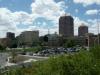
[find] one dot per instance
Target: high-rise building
(66, 26)
(82, 30)
(10, 35)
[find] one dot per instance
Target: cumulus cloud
(87, 2)
(48, 9)
(40, 8)
(95, 23)
(92, 12)
(76, 10)
(92, 24)
(78, 22)
(22, 17)
(6, 21)
(9, 20)
(43, 31)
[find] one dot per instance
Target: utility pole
(88, 41)
(48, 31)
(98, 27)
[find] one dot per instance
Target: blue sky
(20, 15)
(17, 5)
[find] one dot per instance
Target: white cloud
(6, 21)
(94, 25)
(48, 9)
(76, 10)
(92, 12)
(9, 20)
(77, 23)
(40, 8)
(87, 2)
(42, 30)
(23, 17)
(91, 23)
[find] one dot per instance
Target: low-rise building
(5, 42)
(28, 38)
(53, 40)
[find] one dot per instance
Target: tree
(46, 38)
(2, 48)
(70, 43)
(13, 43)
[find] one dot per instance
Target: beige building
(5, 42)
(28, 38)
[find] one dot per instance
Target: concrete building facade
(66, 26)
(8, 41)
(10, 35)
(28, 38)
(5, 42)
(82, 30)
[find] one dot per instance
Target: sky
(29, 15)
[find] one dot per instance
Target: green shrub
(33, 49)
(81, 63)
(2, 48)
(96, 52)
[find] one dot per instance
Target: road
(35, 57)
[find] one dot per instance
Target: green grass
(32, 49)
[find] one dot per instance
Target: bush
(69, 43)
(96, 52)
(33, 49)
(81, 63)
(2, 48)
(78, 64)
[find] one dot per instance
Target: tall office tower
(82, 30)
(66, 26)
(10, 35)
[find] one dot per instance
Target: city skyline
(22, 15)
